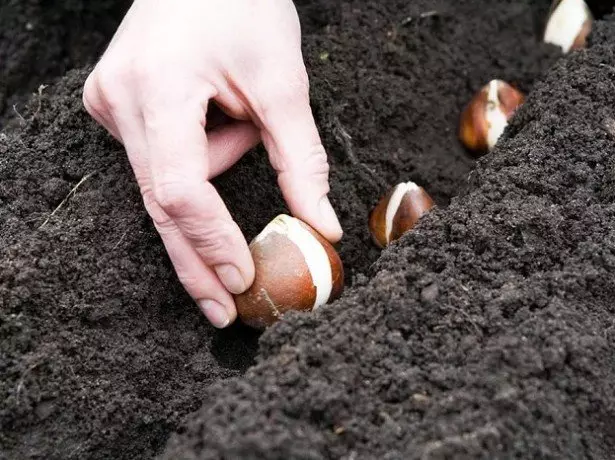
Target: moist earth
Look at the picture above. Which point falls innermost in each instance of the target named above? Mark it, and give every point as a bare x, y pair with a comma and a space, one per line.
484, 333
41, 39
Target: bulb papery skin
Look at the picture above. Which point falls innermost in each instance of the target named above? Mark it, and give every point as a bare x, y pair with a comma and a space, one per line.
398, 212
485, 118
569, 25
296, 269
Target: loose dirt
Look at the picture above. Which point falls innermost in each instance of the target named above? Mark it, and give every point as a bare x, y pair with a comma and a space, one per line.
485, 333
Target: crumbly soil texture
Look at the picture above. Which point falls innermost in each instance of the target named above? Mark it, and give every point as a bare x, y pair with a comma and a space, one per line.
487, 332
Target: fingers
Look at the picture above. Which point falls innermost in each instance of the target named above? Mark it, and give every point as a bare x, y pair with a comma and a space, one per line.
168, 150
197, 278
296, 152
201, 283
177, 147
96, 106
228, 143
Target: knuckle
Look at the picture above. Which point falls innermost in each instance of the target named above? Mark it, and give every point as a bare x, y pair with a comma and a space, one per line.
110, 87
162, 221
108, 80
312, 163
295, 89
172, 193
284, 92
215, 239
190, 282
317, 161
114, 78
145, 70
91, 101
150, 79
302, 81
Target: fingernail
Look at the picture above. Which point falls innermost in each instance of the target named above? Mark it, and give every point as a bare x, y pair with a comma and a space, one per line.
328, 215
215, 313
231, 278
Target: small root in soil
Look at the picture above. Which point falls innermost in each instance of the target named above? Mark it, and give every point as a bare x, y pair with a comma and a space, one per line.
426, 14
41, 88
467, 316
345, 139
68, 196
119, 241
435, 448
21, 386
22, 119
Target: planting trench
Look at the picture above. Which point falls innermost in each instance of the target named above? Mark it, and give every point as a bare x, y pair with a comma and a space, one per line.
485, 333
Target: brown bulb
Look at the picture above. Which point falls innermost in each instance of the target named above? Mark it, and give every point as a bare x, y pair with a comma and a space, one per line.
296, 269
569, 24
398, 212
486, 116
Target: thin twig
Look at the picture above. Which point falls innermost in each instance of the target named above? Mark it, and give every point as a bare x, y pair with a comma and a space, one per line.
41, 88
426, 14
467, 316
71, 193
21, 385
120, 241
435, 447
609, 126
606, 66
23, 120
346, 140
39, 106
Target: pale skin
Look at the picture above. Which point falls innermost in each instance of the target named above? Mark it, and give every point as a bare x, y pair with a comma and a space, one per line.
151, 90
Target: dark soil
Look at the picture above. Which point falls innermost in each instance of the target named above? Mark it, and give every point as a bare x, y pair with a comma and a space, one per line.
42, 39
485, 333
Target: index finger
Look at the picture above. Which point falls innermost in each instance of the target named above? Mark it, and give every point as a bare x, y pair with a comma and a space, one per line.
295, 150
177, 153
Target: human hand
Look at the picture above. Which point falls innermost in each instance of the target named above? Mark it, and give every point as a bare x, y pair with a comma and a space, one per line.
151, 91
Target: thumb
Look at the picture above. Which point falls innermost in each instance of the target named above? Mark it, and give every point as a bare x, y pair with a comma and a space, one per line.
296, 152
